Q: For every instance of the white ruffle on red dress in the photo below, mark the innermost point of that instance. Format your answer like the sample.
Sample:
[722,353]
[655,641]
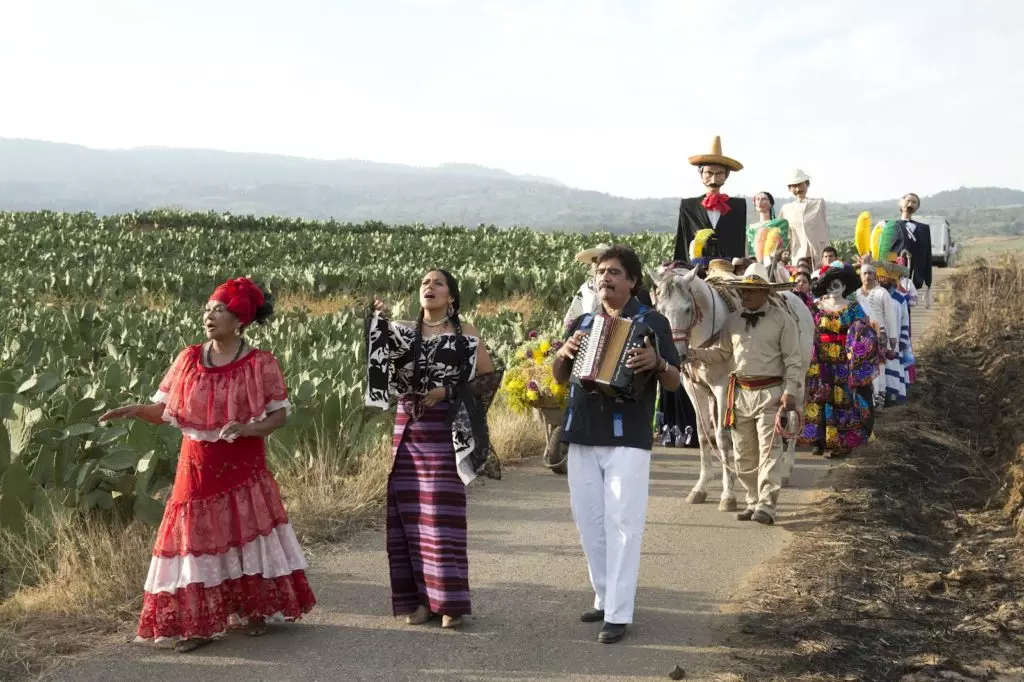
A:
[225,547]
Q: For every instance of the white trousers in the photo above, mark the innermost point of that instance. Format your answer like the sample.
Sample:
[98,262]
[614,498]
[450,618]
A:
[608,487]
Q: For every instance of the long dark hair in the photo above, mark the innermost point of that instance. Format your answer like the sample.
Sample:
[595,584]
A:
[771,203]
[461,350]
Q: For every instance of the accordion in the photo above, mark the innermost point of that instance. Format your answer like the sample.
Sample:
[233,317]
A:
[600,363]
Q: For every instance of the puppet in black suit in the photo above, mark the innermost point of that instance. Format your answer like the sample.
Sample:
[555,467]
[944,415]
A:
[917,240]
[713,211]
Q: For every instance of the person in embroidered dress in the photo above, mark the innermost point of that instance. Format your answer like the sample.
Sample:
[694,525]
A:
[438,371]
[225,550]
[844,363]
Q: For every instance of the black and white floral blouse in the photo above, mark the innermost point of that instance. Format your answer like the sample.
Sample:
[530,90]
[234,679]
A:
[389,375]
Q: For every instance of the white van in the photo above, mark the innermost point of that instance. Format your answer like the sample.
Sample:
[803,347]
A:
[943,248]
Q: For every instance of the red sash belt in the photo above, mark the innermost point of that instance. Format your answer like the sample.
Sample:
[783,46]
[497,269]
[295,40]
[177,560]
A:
[832,338]
[747,384]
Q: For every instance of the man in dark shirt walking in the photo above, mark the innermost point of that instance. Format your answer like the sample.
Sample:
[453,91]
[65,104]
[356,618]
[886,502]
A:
[610,442]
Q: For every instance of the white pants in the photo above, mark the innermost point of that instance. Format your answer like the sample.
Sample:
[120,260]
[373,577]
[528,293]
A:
[608,487]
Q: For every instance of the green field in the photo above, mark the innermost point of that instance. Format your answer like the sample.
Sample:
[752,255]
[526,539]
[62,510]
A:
[98,307]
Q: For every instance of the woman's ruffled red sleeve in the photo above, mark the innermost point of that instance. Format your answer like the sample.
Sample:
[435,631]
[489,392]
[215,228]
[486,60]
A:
[175,374]
[275,390]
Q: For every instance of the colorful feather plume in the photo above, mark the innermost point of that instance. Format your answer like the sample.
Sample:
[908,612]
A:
[876,238]
[759,239]
[700,240]
[862,233]
[772,241]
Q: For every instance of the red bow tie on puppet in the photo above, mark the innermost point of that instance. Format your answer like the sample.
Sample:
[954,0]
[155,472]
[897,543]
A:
[717,202]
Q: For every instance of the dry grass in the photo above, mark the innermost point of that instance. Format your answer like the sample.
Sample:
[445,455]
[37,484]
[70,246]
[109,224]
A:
[914,570]
[314,305]
[524,304]
[514,435]
[87,582]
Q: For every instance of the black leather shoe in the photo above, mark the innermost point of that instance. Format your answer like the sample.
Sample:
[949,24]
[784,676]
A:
[611,633]
[593,616]
[745,515]
[763,517]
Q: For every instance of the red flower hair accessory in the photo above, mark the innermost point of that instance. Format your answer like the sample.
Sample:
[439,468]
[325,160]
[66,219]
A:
[241,296]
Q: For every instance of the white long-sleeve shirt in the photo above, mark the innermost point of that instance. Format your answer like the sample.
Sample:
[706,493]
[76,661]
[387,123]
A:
[881,308]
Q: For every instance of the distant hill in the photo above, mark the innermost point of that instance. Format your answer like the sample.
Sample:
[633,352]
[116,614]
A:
[45,175]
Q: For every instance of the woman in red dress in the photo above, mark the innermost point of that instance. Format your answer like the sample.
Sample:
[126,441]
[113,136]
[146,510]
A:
[225,551]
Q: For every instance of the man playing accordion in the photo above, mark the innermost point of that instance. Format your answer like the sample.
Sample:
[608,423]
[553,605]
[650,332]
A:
[610,440]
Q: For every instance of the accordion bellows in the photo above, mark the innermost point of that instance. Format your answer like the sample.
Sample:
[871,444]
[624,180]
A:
[600,363]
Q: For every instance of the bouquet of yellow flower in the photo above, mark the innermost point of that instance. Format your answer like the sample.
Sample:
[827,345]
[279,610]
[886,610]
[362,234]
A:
[529,382]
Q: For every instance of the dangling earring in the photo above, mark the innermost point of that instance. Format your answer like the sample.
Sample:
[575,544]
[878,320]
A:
[451,310]
[238,331]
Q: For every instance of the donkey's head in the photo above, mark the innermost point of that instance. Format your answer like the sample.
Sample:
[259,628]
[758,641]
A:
[676,302]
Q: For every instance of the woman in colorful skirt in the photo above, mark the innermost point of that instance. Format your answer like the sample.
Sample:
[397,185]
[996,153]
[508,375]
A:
[838,413]
[225,553]
[438,371]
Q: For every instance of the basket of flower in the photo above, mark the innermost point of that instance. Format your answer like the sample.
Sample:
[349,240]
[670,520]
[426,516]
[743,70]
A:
[529,383]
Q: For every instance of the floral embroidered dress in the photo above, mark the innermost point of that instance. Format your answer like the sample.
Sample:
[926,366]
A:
[844,363]
[225,547]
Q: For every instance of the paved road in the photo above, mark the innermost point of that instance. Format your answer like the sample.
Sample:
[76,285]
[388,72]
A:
[529,583]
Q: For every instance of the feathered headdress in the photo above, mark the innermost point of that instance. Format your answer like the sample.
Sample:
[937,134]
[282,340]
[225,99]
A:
[862,234]
[769,238]
[884,239]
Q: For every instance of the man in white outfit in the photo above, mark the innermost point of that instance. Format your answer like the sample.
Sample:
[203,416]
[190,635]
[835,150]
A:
[808,219]
[610,444]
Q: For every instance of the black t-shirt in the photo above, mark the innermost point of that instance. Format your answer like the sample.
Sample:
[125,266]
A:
[598,419]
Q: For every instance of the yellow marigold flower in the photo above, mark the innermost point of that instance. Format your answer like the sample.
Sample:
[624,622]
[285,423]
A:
[532,396]
[544,347]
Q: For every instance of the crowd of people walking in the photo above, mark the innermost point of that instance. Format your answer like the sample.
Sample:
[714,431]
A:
[226,556]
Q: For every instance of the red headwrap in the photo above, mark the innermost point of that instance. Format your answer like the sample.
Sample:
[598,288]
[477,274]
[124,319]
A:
[241,296]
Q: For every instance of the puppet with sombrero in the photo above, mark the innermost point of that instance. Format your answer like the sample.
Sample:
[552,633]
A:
[724,216]
[585,300]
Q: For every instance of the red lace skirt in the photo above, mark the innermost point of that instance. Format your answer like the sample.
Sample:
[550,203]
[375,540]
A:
[224,548]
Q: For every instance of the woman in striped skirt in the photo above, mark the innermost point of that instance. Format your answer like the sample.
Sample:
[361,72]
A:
[432,368]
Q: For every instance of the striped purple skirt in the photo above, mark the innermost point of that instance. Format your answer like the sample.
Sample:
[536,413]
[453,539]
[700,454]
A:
[426,524]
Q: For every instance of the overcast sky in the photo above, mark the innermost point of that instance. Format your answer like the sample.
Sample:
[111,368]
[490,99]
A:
[871,98]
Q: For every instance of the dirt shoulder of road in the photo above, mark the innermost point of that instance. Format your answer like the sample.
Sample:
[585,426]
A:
[912,567]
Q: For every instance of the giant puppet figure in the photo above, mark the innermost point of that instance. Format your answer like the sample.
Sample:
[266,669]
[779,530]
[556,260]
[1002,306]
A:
[917,240]
[714,211]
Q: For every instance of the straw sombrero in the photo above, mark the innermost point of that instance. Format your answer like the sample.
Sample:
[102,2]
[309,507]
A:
[720,270]
[756,277]
[588,256]
[716,157]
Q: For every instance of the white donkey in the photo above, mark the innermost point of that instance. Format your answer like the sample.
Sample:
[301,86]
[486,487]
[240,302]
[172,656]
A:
[697,312]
